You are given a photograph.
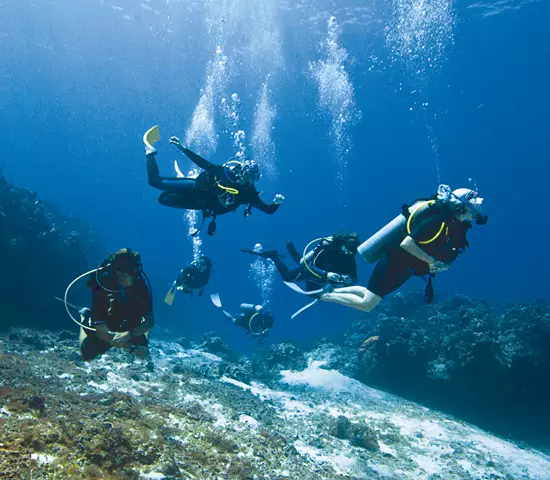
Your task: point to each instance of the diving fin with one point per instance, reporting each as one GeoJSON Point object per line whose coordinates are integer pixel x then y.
{"type": "Point", "coordinates": [303, 309]}
{"type": "Point", "coordinates": [266, 254]}
{"type": "Point", "coordinates": [297, 289]}
{"type": "Point", "coordinates": [150, 137]}
{"type": "Point", "coordinates": [294, 254]}
{"type": "Point", "coordinates": [215, 297]}
{"type": "Point", "coordinates": [169, 299]}
{"type": "Point", "coordinates": [177, 169]}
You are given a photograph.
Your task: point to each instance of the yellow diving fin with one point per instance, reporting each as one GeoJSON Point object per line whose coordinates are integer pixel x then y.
{"type": "Point", "coordinates": [150, 137]}
{"type": "Point", "coordinates": [169, 299]}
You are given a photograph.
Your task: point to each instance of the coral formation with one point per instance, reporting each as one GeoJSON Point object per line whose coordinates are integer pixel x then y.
{"type": "Point", "coordinates": [39, 246]}
{"type": "Point", "coordinates": [116, 419]}
{"type": "Point", "coordinates": [462, 357]}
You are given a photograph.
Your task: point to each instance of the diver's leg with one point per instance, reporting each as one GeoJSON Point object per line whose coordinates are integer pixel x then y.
{"type": "Point", "coordinates": [91, 346]}
{"type": "Point", "coordinates": [294, 254]}
{"type": "Point", "coordinates": [180, 186]}
{"type": "Point", "coordinates": [355, 290]}
{"type": "Point", "coordinates": [362, 299]}
{"type": "Point", "coordinates": [391, 272]}
{"type": "Point", "coordinates": [229, 316]}
{"type": "Point", "coordinates": [153, 172]}
{"type": "Point", "coordinates": [382, 282]}
{"type": "Point", "coordinates": [287, 274]}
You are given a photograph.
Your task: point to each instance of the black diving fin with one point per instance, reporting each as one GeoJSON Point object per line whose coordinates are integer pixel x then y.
{"type": "Point", "coordinates": [266, 254]}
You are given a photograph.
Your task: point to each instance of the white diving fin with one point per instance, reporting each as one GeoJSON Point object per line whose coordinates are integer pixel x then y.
{"type": "Point", "coordinates": [297, 289]}
{"type": "Point", "coordinates": [177, 169]}
{"type": "Point", "coordinates": [169, 299]}
{"type": "Point", "coordinates": [216, 300]}
{"type": "Point", "coordinates": [303, 309]}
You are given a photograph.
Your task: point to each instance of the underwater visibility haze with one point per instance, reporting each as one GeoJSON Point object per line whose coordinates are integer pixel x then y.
{"type": "Point", "coordinates": [351, 109]}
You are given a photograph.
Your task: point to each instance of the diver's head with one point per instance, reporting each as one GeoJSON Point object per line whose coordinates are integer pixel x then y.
{"type": "Point", "coordinates": [348, 242]}
{"type": "Point", "coordinates": [250, 172]}
{"type": "Point", "coordinates": [244, 172]}
{"type": "Point", "coordinates": [466, 204]}
{"type": "Point", "coordinates": [125, 265]}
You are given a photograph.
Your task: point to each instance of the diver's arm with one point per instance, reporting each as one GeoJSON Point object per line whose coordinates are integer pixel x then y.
{"type": "Point", "coordinates": [194, 157]}
{"type": "Point", "coordinates": [270, 209]}
{"type": "Point", "coordinates": [148, 319]}
{"type": "Point", "coordinates": [318, 271]}
{"type": "Point", "coordinates": [410, 246]}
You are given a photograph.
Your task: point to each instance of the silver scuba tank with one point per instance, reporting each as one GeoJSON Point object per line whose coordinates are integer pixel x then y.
{"type": "Point", "coordinates": [393, 233]}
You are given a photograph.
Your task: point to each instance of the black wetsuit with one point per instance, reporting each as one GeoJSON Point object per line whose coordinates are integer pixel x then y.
{"type": "Point", "coordinates": [122, 310]}
{"type": "Point", "coordinates": [397, 265]}
{"type": "Point", "coordinates": [253, 321]}
{"type": "Point", "coordinates": [192, 278]}
{"type": "Point", "coordinates": [327, 257]}
{"type": "Point", "coordinates": [204, 192]}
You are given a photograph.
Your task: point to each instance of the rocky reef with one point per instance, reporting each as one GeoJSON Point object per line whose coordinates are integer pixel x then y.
{"type": "Point", "coordinates": [463, 357]}
{"type": "Point", "coordinates": [40, 251]}
{"type": "Point", "coordinates": [188, 418]}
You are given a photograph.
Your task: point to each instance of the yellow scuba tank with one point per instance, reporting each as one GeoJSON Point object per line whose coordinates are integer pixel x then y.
{"type": "Point", "coordinates": [395, 232]}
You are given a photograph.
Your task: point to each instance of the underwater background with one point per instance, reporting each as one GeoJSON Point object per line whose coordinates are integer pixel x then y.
{"type": "Point", "coordinates": [352, 109]}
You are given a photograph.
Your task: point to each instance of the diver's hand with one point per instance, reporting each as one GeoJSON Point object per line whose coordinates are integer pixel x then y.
{"type": "Point", "coordinates": [102, 332]}
{"type": "Point", "coordinates": [438, 266]}
{"type": "Point", "coordinates": [278, 199]}
{"type": "Point", "coordinates": [334, 277]}
{"type": "Point", "coordinates": [176, 141]}
{"type": "Point", "coordinates": [121, 339]}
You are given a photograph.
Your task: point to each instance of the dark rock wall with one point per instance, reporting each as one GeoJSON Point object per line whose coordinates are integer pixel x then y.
{"type": "Point", "coordinates": [41, 251]}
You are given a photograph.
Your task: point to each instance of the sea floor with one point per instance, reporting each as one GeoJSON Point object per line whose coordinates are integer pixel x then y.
{"type": "Point", "coordinates": [187, 418]}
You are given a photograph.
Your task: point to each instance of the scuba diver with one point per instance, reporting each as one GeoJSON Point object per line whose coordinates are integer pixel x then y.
{"type": "Point", "coordinates": [194, 277]}
{"type": "Point", "coordinates": [332, 261]}
{"type": "Point", "coordinates": [255, 319]}
{"type": "Point", "coordinates": [121, 315]}
{"type": "Point", "coordinates": [217, 190]}
{"type": "Point", "coordinates": [426, 238]}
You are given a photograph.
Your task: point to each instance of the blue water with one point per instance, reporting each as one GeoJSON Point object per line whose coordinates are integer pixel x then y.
{"type": "Point", "coordinates": [81, 81]}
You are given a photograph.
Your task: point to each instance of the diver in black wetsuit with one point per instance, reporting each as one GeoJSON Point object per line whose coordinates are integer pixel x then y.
{"type": "Point", "coordinates": [331, 262]}
{"type": "Point", "coordinates": [255, 319]}
{"type": "Point", "coordinates": [193, 278]}
{"type": "Point", "coordinates": [217, 190]}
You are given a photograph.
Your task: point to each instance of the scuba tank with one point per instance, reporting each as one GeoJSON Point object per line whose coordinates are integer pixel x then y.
{"type": "Point", "coordinates": [374, 247]}
{"type": "Point", "coordinates": [392, 234]}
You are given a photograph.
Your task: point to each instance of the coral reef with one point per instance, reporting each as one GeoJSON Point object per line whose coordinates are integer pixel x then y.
{"type": "Point", "coordinates": [464, 358]}
{"type": "Point", "coordinates": [40, 251]}
{"type": "Point", "coordinates": [114, 418]}
{"type": "Point", "coordinates": [286, 356]}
